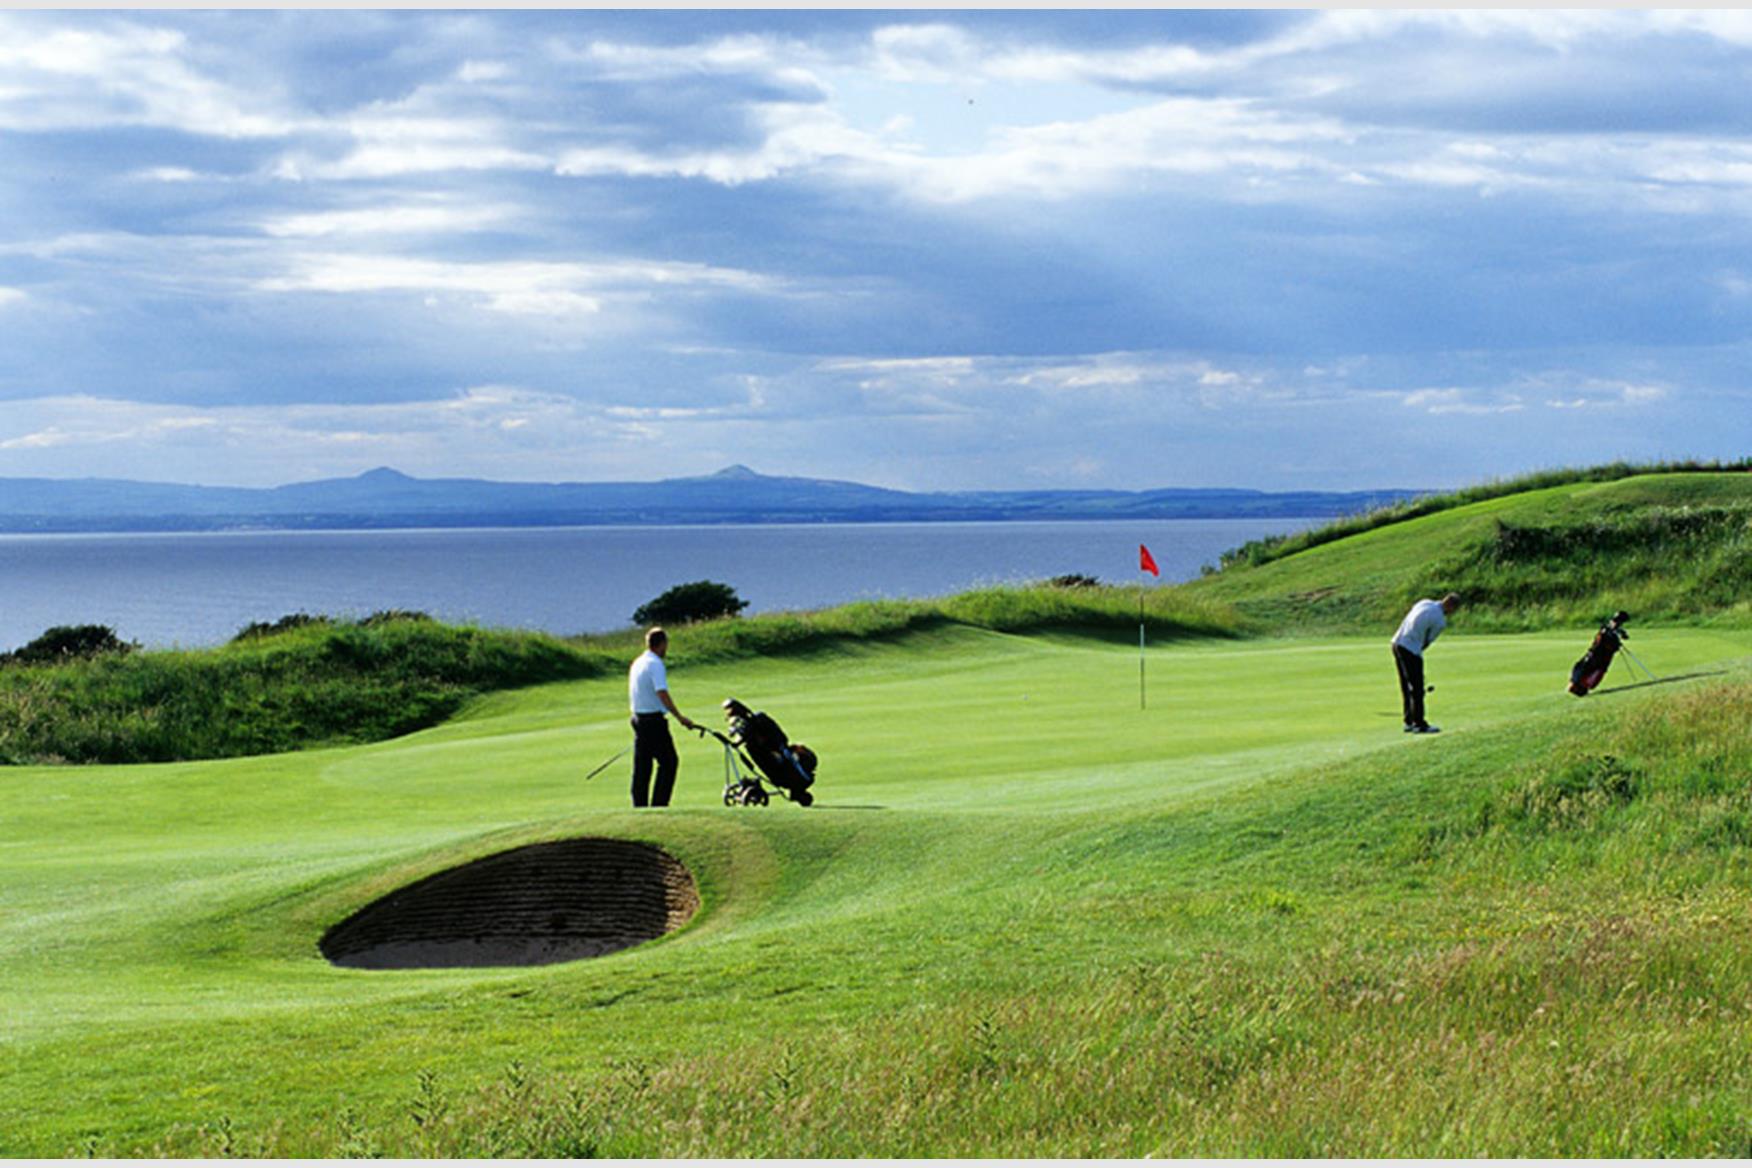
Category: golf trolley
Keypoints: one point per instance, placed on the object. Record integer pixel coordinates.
(755, 749)
(740, 790)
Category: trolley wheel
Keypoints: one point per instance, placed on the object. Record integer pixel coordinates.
(729, 797)
(758, 797)
(804, 798)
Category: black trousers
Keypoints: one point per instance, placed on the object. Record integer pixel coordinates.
(653, 745)
(1411, 684)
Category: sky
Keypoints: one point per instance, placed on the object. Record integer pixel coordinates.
(923, 249)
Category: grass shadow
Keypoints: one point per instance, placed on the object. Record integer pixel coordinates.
(1660, 681)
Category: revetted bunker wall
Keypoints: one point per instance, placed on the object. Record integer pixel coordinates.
(533, 905)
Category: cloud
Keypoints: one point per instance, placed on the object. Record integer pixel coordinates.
(395, 219)
(1566, 393)
(11, 296)
(389, 142)
(1463, 401)
(518, 287)
(123, 73)
(492, 425)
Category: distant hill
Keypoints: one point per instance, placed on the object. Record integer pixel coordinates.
(384, 498)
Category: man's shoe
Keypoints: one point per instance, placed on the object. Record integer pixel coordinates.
(1426, 728)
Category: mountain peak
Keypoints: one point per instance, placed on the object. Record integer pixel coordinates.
(736, 471)
(384, 474)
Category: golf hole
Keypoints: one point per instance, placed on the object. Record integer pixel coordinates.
(534, 905)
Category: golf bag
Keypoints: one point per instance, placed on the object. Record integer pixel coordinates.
(1590, 671)
(758, 742)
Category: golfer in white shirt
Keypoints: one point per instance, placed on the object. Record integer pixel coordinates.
(648, 694)
(1417, 632)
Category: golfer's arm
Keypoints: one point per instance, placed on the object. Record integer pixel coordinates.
(669, 704)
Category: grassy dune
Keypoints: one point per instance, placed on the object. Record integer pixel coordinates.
(1669, 547)
(1025, 918)
(331, 682)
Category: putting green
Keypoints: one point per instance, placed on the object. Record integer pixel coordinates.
(158, 925)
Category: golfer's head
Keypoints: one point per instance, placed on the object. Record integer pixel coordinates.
(1450, 602)
(656, 640)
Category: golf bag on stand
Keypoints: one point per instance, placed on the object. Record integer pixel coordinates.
(1590, 671)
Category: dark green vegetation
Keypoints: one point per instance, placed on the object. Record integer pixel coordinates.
(65, 643)
(1670, 548)
(314, 682)
(686, 603)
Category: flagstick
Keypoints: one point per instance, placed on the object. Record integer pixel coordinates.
(1140, 642)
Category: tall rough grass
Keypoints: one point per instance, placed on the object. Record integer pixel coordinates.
(310, 681)
(323, 683)
(1276, 547)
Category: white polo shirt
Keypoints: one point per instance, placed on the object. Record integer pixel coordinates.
(1421, 626)
(644, 679)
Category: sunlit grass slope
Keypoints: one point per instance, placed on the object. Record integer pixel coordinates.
(1026, 917)
(1667, 547)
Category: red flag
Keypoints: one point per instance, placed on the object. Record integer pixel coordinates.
(1147, 562)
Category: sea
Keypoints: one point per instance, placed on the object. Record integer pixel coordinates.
(193, 590)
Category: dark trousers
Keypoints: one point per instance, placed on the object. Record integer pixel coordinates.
(1411, 684)
(652, 744)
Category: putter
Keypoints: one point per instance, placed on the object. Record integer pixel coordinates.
(606, 765)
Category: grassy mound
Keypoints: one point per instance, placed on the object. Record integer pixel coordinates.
(1673, 548)
(322, 683)
(1276, 547)
(315, 681)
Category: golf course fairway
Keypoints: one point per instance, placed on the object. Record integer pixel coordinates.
(1025, 917)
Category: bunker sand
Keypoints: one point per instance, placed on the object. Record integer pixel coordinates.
(534, 905)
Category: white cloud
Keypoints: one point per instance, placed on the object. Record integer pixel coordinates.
(433, 429)
(388, 220)
(1462, 401)
(780, 60)
(11, 296)
(518, 287)
(1593, 394)
(166, 174)
(122, 73)
(388, 142)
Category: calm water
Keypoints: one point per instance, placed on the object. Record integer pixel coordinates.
(194, 590)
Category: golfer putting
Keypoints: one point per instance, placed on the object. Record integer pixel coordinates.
(1417, 632)
(648, 695)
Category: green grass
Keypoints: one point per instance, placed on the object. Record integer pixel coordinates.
(318, 681)
(1026, 918)
(1674, 548)
(1276, 547)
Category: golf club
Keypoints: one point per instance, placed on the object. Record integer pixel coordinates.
(606, 765)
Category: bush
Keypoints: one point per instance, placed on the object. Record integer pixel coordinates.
(70, 643)
(685, 603)
(1073, 580)
(292, 620)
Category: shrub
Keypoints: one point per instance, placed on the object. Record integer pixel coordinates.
(685, 603)
(1073, 580)
(70, 643)
(292, 620)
